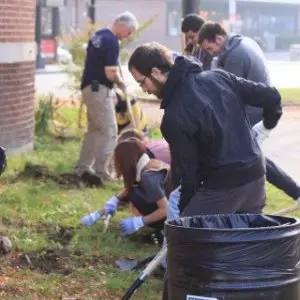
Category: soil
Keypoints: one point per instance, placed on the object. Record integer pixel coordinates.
(67, 179)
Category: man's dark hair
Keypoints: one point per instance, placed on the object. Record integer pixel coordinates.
(209, 31)
(151, 55)
(191, 22)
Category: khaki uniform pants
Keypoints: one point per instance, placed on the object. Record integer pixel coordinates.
(100, 139)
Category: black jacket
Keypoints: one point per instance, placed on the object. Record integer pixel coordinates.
(210, 138)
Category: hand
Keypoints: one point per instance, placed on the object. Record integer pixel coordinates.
(122, 86)
(111, 206)
(130, 225)
(261, 133)
(90, 219)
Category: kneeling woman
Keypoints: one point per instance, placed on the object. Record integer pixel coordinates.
(147, 184)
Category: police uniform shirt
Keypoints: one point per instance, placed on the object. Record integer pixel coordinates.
(102, 51)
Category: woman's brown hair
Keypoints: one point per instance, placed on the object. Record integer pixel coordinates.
(130, 133)
(126, 156)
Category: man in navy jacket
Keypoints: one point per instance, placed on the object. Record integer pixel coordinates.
(213, 146)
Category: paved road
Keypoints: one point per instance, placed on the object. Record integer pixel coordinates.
(283, 74)
(284, 145)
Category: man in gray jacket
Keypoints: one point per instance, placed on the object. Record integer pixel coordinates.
(243, 57)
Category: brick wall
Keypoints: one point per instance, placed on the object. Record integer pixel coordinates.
(17, 71)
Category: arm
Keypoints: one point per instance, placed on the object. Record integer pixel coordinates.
(260, 95)
(112, 74)
(189, 164)
(122, 195)
(159, 214)
(111, 63)
(111, 205)
(152, 182)
(185, 156)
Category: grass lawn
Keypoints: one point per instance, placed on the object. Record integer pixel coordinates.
(54, 258)
(39, 216)
(290, 95)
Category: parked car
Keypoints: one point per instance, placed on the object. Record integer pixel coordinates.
(63, 55)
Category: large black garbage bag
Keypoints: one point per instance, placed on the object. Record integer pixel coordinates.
(233, 257)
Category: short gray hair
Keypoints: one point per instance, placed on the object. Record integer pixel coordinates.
(127, 18)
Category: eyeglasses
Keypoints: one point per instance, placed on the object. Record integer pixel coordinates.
(142, 82)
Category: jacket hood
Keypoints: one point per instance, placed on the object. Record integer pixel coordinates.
(182, 67)
(232, 41)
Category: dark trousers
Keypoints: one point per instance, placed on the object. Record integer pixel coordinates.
(249, 198)
(281, 180)
(275, 175)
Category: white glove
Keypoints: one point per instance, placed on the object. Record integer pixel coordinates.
(261, 133)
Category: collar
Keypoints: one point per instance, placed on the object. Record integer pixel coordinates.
(144, 159)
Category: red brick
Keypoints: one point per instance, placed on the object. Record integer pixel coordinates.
(17, 24)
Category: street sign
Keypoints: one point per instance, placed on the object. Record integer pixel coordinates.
(48, 48)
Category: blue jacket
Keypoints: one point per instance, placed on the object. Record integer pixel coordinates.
(211, 141)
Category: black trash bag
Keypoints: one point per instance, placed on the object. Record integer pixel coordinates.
(234, 257)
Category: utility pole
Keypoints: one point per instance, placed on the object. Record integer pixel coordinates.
(190, 6)
(40, 62)
(92, 11)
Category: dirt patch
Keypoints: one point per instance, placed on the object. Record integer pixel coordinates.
(58, 261)
(61, 235)
(69, 180)
(48, 261)
(6, 222)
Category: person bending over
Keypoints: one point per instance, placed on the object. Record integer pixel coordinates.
(147, 184)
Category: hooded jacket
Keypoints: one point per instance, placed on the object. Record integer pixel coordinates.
(243, 57)
(210, 139)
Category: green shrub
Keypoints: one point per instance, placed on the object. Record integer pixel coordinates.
(43, 114)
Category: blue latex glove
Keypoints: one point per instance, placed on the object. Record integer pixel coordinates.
(173, 210)
(90, 219)
(111, 206)
(130, 225)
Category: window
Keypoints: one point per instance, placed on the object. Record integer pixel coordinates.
(46, 21)
(173, 19)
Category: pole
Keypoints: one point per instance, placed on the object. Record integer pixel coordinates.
(56, 27)
(190, 6)
(40, 63)
(92, 11)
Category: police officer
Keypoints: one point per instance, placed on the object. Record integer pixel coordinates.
(100, 74)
